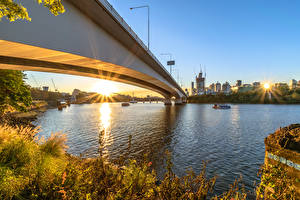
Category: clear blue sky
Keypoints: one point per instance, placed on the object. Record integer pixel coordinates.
(251, 40)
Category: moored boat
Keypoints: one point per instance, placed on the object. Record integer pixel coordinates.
(219, 106)
(125, 104)
(61, 105)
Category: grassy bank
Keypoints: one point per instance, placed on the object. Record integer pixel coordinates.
(34, 168)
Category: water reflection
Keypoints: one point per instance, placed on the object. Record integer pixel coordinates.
(105, 118)
(231, 140)
(105, 138)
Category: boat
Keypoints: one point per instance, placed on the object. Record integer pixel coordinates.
(219, 106)
(61, 105)
(133, 101)
(125, 104)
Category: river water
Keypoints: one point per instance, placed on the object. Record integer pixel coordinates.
(232, 141)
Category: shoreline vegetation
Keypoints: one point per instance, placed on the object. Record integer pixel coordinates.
(34, 168)
(259, 96)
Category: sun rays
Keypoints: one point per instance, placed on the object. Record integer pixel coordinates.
(105, 88)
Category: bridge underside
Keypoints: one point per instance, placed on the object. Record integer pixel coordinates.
(19, 56)
(89, 39)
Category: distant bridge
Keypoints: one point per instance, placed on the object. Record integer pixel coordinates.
(89, 39)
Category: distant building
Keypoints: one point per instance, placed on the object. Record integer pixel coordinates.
(226, 88)
(74, 95)
(212, 88)
(193, 89)
(246, 88)
(279, 85)
(200, 83)
(238, 83)
(218, 87)
(293, 84)
(46, 88)
(65, 94)
(208, 91)
(256, 84)
(187, 92)
(75, 92)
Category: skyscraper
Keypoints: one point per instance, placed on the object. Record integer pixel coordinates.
(218, 87)
(226, 88)
(192, 89)
(200, 83)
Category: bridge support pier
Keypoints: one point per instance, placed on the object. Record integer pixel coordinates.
(168, 102)
(178, 101)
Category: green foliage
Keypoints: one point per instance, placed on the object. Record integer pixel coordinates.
(55, 145)
(189, 186)
(15, 11)
(234, 193)
(275, 183)
(17, 160)
(13, 91)
(27, 171)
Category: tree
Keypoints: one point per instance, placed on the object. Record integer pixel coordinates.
(14, 11)
(13, 91)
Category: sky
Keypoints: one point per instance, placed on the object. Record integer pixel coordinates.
(251, 40)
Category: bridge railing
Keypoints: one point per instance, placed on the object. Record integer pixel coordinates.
(111, 9)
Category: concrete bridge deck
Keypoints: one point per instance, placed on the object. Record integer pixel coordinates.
(89, 39)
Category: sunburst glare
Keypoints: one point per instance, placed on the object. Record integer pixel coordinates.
(266, 86)
(105, 87)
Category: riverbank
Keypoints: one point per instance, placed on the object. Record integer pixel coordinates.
(245, 98)
(25, 118)
(33, 168)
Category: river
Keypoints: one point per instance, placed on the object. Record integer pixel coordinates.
(232, 141)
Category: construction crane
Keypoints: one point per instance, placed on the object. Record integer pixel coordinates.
(56, 90)
(37, 84)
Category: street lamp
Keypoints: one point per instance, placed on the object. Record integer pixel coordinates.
(148, 8)
(170, 62)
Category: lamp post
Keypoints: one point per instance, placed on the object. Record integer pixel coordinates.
(148, 8)
(170, 62)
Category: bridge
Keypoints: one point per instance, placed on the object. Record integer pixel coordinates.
(89, 39)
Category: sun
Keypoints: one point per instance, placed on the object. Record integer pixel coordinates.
(105, 87)
(266, 86)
